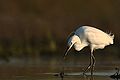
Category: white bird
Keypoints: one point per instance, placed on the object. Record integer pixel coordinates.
(89, 36)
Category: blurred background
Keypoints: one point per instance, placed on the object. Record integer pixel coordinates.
(33, 34)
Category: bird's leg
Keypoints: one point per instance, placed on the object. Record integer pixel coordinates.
(89, 66)
(92, 63)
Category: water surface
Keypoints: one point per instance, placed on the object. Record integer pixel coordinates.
(43, 70)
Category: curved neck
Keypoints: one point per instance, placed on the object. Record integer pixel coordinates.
(79, 46)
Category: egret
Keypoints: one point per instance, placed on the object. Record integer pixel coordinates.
(92, 37)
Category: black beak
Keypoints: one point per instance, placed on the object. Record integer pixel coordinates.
(67, 51)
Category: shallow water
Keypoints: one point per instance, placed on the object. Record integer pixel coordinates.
(79, 76)
(45, 71)
(68, 76)
(72, 76)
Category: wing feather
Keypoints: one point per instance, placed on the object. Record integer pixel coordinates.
(97, 37)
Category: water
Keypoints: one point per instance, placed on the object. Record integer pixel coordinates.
(44, 71)
(79, 75)
(69, 76)
(35, 73)
(57, 78)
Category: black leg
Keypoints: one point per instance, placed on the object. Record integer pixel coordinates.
(88, 67)
(91, 65)
(92, 62)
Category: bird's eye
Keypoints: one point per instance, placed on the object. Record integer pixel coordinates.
(70, 43)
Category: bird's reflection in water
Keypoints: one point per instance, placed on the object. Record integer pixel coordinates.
(84, 77)
(116, 76)
(91, 77)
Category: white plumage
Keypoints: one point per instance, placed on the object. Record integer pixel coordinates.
(96, 38)
(89, 36)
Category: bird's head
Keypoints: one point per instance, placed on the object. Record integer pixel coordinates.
(72, 41)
